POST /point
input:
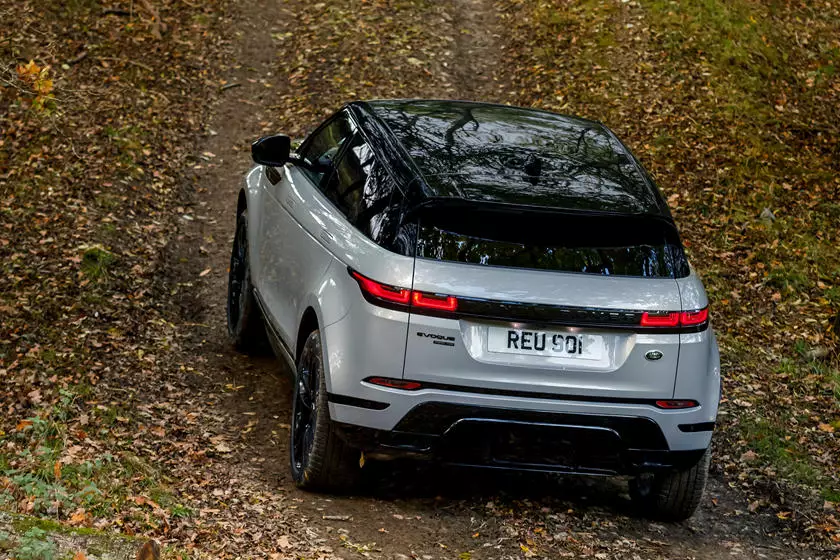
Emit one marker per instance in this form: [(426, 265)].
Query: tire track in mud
[(287, 82)]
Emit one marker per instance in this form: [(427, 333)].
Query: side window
[(326, 143), (346, 186), (380, 209), (362, 189), (395, 233)]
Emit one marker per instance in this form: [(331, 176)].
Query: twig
[(116, 12), (127, 61), (158, 27), (77, 59), (229, 86)]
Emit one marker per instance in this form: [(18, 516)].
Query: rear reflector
[(394, 383), (675, 404)]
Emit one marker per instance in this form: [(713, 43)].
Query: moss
[(22, 523), (96, 262)]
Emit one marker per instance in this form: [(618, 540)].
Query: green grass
[(834, 384), (31, 461), (96, 263), (771, 440), (35, 544)]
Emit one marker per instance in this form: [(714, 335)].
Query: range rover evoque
[(478, 284)]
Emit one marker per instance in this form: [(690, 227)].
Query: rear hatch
[(544, 302)]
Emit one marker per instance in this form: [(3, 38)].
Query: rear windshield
[(605, 245)]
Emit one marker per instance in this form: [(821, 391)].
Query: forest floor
[(128, 414)]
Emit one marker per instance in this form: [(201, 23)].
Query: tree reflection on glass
[(505, 154)]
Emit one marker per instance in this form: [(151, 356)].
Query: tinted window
[(362, 189), (604, 245), (346, 186), (493, 153), (326, 142)]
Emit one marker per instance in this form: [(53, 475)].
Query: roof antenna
[(532, 168)]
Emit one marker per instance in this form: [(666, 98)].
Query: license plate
[(572, 346)]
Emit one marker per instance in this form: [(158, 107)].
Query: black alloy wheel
[(304, 410), (244, 320), (320, 458)]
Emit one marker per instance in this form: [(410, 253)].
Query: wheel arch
[(241, 201), (248, 198), (308, 324)]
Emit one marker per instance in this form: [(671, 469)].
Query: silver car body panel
[(299, 261), (301, 247)]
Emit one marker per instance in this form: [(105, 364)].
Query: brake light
[(660, 319), (429, 301), (676, 404), (374, 290), (670, 319), (691, 318), (394, 383), (382, 291)]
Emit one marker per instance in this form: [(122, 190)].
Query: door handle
[(327, 237)]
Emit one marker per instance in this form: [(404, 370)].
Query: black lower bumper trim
[(559, 449), (700, 427), (357, 402), (436, 417)]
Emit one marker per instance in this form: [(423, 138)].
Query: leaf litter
[(115, 359)]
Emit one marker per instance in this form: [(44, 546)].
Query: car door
[(294, 228)]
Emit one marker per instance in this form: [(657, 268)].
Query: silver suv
[(481, 285)]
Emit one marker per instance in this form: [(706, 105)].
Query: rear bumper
[(523, 440), (425, 412)]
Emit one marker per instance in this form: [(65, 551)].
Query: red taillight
[(672, 319), (660, 319), (429, 301), (691, 318), (394, 383), (382, 291), (403, 296), (675, 404)]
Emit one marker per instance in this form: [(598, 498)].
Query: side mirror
[(272, 150)]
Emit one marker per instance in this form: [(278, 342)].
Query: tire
[(671, 496), (244, 319), (320, 459)]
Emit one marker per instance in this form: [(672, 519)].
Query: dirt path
[(407, 510)]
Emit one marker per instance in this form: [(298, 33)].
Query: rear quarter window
[(363, 191)]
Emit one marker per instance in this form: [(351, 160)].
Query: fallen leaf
[(144, 501), (79, 517)]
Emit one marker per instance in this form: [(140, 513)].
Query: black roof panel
[(512, 155)]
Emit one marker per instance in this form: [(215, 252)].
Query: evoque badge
[(653, 355)]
